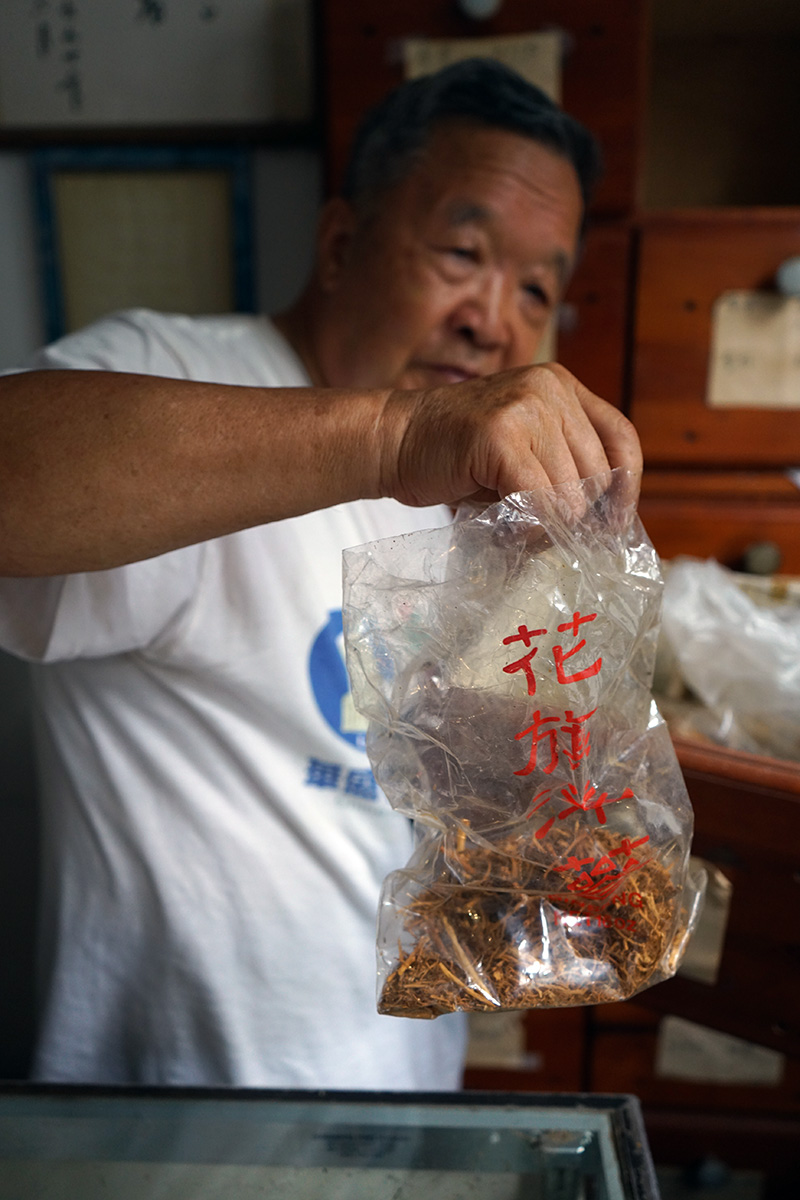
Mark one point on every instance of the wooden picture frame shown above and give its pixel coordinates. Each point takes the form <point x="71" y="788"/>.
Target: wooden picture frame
<point x="168" y="228"/>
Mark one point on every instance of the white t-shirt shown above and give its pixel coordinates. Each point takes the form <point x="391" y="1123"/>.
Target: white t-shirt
<point x="213" y="840"/>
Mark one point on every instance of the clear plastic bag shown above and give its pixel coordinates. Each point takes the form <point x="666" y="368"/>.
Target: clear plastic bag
<point x="504" y="665"/>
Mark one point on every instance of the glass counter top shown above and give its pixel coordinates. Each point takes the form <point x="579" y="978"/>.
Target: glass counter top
<point x="121" y="1143"/>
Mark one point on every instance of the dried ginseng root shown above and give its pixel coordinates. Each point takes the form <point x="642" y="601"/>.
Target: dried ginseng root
<point x="510" y="939"/>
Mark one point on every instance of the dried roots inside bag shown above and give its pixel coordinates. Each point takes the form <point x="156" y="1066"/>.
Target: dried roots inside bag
<point x="495" y="929"/>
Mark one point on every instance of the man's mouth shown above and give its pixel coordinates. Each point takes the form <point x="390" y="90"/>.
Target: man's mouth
<point x="449" y="372"/>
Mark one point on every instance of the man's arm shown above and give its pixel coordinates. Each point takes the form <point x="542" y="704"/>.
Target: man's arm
<point x="99" y="468"/>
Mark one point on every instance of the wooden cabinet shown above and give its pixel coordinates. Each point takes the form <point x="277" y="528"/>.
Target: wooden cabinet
<point x="716" y="479"/>
<point x="686" y="262"/>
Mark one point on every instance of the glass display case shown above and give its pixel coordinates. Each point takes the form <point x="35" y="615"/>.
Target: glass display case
<point x="99" y="1143"/>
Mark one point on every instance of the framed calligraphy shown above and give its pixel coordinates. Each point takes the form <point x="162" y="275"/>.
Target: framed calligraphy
<point x="75" y="65"/>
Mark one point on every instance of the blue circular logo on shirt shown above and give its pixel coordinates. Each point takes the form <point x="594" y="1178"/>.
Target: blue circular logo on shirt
<point x="330" y="683"/>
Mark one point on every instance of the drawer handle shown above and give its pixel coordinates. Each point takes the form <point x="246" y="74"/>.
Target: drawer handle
<point x="761" y="558"/>
<point x="787" y="276"/>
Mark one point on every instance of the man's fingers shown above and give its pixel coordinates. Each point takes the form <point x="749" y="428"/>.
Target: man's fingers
<point x="518" y="431"/>
<point x="587" y="451"/>
<point x="617" y="434"/>
<point x="522" y="473"/>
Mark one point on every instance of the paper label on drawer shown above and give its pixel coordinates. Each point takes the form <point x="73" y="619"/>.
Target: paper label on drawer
<point x="496" y="1039"/>
<point x="703" y="953"/>
<point x="755" y="351"/>
<point x="535" y="56"/>
<point x="701" y="1055"/>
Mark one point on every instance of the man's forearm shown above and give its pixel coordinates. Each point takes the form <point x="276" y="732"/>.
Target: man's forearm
<point x="99" y="469"/>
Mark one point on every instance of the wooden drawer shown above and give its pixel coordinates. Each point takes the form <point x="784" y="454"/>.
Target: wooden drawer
<point x="623" y="1058"/>
<point x="747" y="823"/>
<point x="686" y="261"/>
<point x="553" y="1060"/>
<point x="745" y="520"/>
<point x="745" y="1127"/>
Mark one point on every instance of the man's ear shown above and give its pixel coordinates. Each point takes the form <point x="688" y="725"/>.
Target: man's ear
<point x="336" y="230"/>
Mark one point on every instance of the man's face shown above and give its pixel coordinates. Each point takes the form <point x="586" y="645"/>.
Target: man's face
<point x="460" y="269"/>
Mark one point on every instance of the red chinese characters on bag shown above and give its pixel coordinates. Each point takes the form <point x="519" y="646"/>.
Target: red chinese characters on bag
<point x="546" y="748"/>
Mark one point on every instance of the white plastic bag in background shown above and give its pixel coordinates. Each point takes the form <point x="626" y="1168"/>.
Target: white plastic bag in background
<point x="739" y="653"/>
<point x="504" y="665"/>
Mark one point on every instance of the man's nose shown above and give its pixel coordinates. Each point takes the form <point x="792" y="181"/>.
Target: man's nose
<point x="484" y="315"/>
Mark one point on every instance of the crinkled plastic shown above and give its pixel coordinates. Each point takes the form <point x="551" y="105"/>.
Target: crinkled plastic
<point x="504" y="664"/>
<point x="738" y="650"/>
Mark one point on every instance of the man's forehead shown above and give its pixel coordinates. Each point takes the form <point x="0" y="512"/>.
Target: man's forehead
<point x="473" y="159"/>
<point x="467" y="212"/>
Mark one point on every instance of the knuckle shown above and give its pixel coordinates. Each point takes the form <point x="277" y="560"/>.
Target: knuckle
<point x="558" y="376"/>
<point x="626" y="427"/>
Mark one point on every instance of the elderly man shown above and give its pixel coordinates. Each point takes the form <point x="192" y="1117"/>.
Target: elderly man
<point x="176" y="494"/>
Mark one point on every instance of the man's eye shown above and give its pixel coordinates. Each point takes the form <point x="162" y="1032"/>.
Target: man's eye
<point x="537" y="293"/>
<point x="465" y="253"/>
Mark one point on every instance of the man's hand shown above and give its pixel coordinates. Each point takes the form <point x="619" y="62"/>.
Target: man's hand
<point x="520" y="430"/>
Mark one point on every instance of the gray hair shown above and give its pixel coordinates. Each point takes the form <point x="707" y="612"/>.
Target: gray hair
<point x="480" y="91"/>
